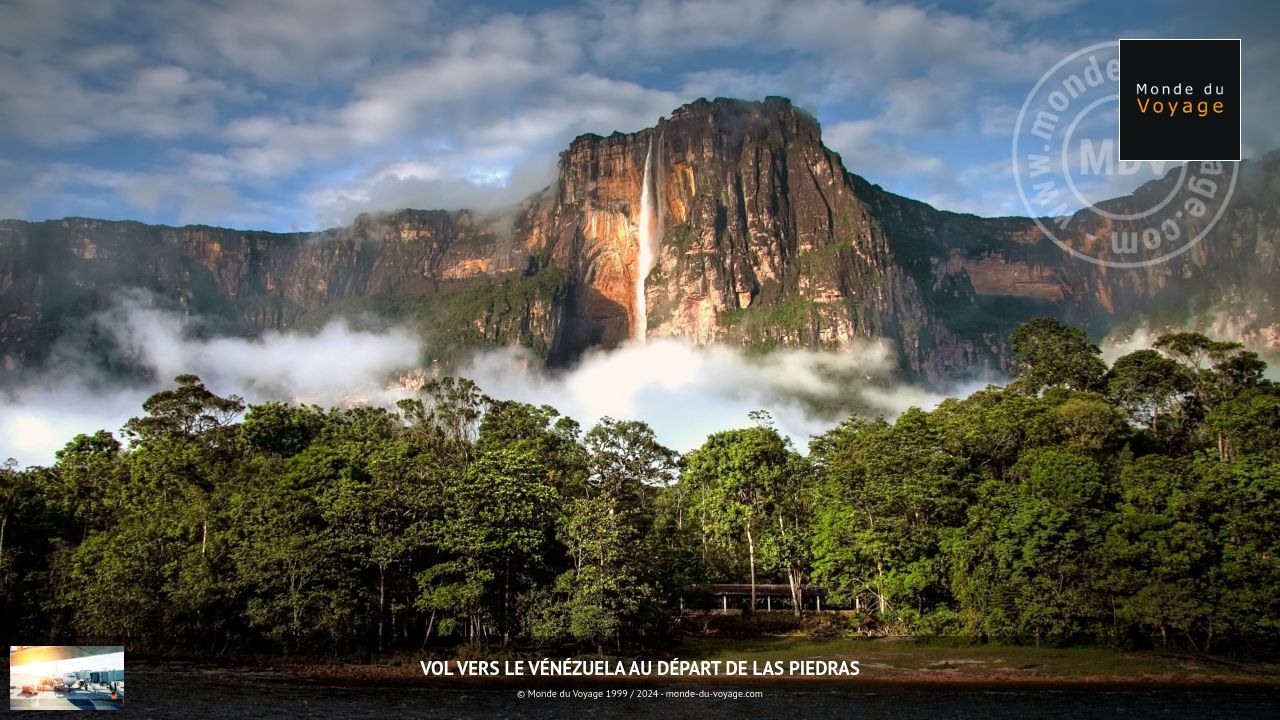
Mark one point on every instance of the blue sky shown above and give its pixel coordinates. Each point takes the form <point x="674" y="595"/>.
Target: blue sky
<point x="297" y="114"/>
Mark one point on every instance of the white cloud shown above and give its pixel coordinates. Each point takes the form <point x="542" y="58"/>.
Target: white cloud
<point x="656" y="383"/>
<point x="302" y="100"/>
<point x="997" y="117"/>
<point x="456" y="98"/>
<point x="418" y="184"/>
<point x="1033" y="9"/>
<point x="921" y="105"/>
<point x="50" y="106"/>
<point x="121" y="194"/>
<point x="102" y="58"/>
<point x="980" y="189"/>
<point x="73" y="397"/>
<point x="42" y="28"/>
<point x="294" y="42"/>
<point x="867" y="149"/>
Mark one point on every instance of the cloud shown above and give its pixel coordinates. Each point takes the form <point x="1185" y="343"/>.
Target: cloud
<point x="806" y="391"/>
<point x="423" y="185"/>
<point x="43" y="28"/>
<point x="869" y="148"/>
<point x="1118" y="344"/>
<point x="14" y="203"/>
<point x="203" y="198"/>
<point x="980" y="189"/>
<point x="922" y="105"/>
<point x="660" y="381"/>
<point x="1236" y="324"/>
<point x="1032" y="9"/>
<point x="864" y="147"/>
<point x="276" y="365"/>
<point x="1261" y="103"/>
<point x="50" y="107"/>
<point x="294" y="42"/>
<point x="295" y="111"/>
<point x="893" y="40"/>
<point x="75" y="396"/>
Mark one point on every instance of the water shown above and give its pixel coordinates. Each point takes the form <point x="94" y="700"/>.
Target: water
<point x="650" y="237"/>
<point x="194" y="694"/>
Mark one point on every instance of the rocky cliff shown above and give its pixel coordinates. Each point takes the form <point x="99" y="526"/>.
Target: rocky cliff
<point x="727" y="222"/>
<point x="765" y="240"/>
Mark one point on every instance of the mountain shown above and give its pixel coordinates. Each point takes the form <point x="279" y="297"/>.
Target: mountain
<point x="746" y="228"/>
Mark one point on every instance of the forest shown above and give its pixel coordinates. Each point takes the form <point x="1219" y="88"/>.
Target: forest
<point x="1130" y="506"/>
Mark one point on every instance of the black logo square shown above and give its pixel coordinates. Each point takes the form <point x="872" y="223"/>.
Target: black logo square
<point x="1180" y="99"/>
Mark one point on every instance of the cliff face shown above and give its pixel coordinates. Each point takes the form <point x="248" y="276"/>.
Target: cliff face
<point x="459" y="273"/>
<point x="765" y="240"/>
<point x="757" y="235"/>
<point x="1225" y="284"/>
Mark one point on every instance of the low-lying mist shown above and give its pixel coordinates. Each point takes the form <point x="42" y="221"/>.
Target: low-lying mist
<point x="683" y="390"/>
<point x="1217" y="325"/>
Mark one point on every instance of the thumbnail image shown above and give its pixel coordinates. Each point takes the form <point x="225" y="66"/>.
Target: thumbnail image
<point x="66" y="677"/>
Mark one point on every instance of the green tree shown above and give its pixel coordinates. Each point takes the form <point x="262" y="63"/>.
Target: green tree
<point x="1047" y="353"/>
<point x="1087" y="423"/>
<point x="181" y="446"/>
<point x="608" y="587"/>
<point x="381" y="516"/>
<point x="1158" y="551"/>
<point x="1147" y="385"/>
<point x="280" y="428"/>
<point x="739" y="476"/>
<point x="290" y="569"/>
<point x="446" y="416"/>
<point x="1026" y="564"/>
<point x="626" y="461"/>
<point x="10" y="479"/>
<point x="495" y="534"/>
<point x="888" y="494"/>
<point x="1248" y="423"/>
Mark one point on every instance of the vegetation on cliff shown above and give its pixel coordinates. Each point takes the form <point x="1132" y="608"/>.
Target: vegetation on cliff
<point x="465" y="315"/>
<point x="1130" y="506"/>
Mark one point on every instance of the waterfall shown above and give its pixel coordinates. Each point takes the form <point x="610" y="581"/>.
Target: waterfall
<point x="650" y="237"/>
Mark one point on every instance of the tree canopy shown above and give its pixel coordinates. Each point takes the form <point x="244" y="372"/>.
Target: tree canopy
<point x="1135" y="505"/>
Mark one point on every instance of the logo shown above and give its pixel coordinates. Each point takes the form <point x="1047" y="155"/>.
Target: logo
<point x="1180" y="99"/>
<point x="1082" y="196"/>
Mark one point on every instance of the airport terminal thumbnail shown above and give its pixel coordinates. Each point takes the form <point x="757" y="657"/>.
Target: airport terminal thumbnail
<point x="66" y="677"/>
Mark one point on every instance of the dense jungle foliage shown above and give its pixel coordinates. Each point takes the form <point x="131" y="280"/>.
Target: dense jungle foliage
<point x="1130" y="506"/>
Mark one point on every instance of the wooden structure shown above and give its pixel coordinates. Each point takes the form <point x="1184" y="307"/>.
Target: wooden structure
<point x="735" y="595"/>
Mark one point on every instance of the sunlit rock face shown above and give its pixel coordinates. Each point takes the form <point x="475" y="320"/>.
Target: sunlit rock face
<point x="767" y="240"/>
<point x="764" y="241"/>
<point x="758" y="236"/>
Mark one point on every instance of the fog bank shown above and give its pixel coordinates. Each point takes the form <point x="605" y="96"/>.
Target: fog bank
<point x="683" y="390"/>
